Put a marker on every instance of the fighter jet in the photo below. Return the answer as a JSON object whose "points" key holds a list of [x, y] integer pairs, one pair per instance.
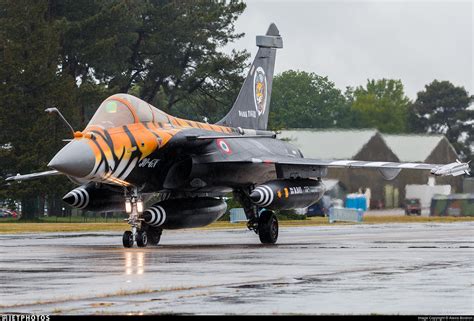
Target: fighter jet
{"points": [[131, 151]]}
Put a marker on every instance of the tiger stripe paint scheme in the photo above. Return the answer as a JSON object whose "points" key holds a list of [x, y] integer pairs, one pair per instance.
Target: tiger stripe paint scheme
{"points": [[142, 153], [131, 149], [128, 142], [119, 150]]}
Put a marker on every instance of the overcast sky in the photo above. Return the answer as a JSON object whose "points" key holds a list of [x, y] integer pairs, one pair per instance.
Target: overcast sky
{"points": [[351, 41]]}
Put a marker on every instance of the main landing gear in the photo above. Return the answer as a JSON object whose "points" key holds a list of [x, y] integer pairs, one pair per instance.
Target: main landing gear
{"points": [[154, 235], [266, 226], [263, 222], [140, 233]]}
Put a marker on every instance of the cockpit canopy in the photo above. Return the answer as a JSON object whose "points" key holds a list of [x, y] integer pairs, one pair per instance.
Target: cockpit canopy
{"points": [[123, 109]]}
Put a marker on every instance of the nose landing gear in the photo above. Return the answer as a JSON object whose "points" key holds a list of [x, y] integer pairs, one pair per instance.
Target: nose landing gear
{"points": [[142, 238], [127, 239], [134, 206]]}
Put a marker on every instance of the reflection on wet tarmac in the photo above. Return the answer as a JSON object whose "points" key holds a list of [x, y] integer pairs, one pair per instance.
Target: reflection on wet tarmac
{"points": [[347, 269], [134, 262]]}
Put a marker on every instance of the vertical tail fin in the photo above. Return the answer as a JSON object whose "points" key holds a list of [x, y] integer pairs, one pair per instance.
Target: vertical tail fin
{"points": [[252, 106]]}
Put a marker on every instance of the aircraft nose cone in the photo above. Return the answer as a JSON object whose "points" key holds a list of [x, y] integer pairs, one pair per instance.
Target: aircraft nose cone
{"points": [[75, 159]]}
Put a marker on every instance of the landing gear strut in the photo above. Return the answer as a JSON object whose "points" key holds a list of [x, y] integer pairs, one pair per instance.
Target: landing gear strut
{"points": [[134, 206], [265, 223]]}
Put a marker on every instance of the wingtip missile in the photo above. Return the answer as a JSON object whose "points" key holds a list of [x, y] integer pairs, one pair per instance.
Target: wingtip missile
{"points": [[454, 169], [12, 178]]}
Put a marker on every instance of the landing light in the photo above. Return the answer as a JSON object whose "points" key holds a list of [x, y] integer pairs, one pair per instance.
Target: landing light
{"points": [[140, 206], [128, 206]]}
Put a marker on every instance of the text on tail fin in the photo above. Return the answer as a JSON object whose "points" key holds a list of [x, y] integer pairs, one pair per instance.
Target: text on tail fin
{"points": [[252, 106]]}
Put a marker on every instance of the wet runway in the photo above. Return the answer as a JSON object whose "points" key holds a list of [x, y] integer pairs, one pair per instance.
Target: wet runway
{"points": [[343, 269]]}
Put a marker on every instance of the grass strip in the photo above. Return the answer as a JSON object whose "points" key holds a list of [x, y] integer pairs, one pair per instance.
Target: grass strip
{"points": [[45, 227]]}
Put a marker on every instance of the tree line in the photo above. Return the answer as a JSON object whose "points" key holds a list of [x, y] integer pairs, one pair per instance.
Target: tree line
{"points": [[72, 54], [306, 100]]}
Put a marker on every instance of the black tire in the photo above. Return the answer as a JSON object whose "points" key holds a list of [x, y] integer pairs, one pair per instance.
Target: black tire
{"points": [[268, 227], [127, 239], [142, 239], [154, 236]]}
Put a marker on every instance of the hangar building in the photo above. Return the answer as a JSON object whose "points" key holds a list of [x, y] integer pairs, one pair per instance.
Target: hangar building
{"points": [[370, 144]]}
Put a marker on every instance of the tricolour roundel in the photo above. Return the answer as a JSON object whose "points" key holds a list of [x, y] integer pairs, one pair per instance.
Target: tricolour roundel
{"points": [[260, 90], [155, 215], [223, 146]]}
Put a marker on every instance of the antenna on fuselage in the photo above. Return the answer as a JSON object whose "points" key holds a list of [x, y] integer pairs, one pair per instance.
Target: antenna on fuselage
{"points": [[55, 110]]}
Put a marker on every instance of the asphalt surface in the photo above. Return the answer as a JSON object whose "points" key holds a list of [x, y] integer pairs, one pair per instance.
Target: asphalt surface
{"points": [[341, 269]]}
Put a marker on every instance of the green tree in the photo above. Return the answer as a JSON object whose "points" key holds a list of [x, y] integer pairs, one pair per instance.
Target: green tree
{"points": [[165, 52], [306, 100], [382, 104], [31, 81], [443, 108], [72, 54]]}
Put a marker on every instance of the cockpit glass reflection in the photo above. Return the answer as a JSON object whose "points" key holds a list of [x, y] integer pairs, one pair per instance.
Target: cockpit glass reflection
{"points": [[112, 113]]}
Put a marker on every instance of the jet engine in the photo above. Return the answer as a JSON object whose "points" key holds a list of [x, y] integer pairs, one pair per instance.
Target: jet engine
{"points": [[184, 212], [92, 198], [287, 193]]}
